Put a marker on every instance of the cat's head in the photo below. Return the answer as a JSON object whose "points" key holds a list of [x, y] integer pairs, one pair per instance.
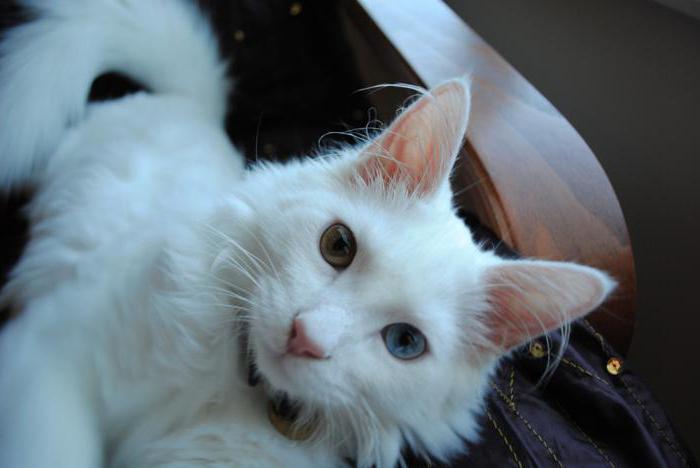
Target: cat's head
{"points": [[369, 303]]}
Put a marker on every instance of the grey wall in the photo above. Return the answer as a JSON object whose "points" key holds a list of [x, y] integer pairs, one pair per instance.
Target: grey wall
{"points": [[691, 7], [626, 74]]}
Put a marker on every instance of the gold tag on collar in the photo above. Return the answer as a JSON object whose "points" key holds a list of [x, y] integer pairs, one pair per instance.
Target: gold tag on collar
{"points": [[285, 426]]}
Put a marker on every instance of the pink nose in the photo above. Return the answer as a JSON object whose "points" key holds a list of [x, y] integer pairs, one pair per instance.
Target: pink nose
{"points": [[301, 345]]}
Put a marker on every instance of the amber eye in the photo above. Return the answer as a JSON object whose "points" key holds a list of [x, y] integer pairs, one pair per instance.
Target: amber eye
{"points": [[338, 246]]}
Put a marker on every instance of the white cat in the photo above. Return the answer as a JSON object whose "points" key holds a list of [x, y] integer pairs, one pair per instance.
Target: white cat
{"points": [[160, 272]]}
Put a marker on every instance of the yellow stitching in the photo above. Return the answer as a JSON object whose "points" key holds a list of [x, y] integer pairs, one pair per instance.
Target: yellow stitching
{"points": [[657, 426], [588, 438], [583, 370], [592, 329], [511, 386], [592, 442], [516, 460], [527, 423]]}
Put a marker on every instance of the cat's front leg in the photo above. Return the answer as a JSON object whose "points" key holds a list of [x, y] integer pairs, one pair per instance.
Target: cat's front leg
{"points": [[45, 417]]}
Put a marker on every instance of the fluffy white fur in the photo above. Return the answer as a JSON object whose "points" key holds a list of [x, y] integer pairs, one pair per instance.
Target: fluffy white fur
{"points": [[157, 265]]}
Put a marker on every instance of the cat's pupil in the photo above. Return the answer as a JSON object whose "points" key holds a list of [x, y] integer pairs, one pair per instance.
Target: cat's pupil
{"points": [[340, 246], [406, 339]]}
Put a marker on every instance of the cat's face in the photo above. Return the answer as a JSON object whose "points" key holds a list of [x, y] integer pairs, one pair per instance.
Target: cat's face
{"points": [[367, 296], [397, 264], [394, 329]]}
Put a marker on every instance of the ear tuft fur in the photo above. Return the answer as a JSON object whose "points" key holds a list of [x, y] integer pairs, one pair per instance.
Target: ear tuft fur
{"points": [[532, 297], [420, 148]]}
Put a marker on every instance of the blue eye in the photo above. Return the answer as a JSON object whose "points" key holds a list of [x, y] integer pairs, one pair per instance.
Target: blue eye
{"points": [[404, 341]]}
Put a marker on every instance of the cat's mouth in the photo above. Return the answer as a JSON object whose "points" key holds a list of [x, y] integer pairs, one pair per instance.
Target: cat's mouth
{"points": [[282, 404], [281, 374]]}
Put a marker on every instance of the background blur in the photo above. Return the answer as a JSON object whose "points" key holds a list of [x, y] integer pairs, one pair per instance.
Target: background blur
{"points": [[626, 74]]}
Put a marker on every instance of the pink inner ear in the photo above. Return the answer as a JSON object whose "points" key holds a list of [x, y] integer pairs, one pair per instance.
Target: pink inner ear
{"points": [[420, 147], [531, 298]]}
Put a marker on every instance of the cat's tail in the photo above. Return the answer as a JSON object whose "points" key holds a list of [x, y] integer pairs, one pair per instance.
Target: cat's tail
{"points": [[48, 64]]}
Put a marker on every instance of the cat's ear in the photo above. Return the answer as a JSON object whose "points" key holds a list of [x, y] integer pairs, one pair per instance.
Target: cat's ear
{"points": [[420, 147], [528, 298]]}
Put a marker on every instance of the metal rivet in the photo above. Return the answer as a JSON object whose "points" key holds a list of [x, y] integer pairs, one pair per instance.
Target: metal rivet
{"points": [[295, 8], [614, 366], [537, 349], [239, 35]]}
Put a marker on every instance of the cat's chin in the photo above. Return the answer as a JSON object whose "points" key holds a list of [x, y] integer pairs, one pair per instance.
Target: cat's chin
{"points": [[301, 379]]}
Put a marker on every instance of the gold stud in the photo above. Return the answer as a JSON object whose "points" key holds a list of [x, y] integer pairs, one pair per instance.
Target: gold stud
{"points": [[239, 35], [295, 8], [614, 366], [537, 349]]}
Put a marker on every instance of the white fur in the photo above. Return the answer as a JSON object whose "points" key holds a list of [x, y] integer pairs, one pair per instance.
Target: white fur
{"points": [[48, 66], [153, 252]]}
